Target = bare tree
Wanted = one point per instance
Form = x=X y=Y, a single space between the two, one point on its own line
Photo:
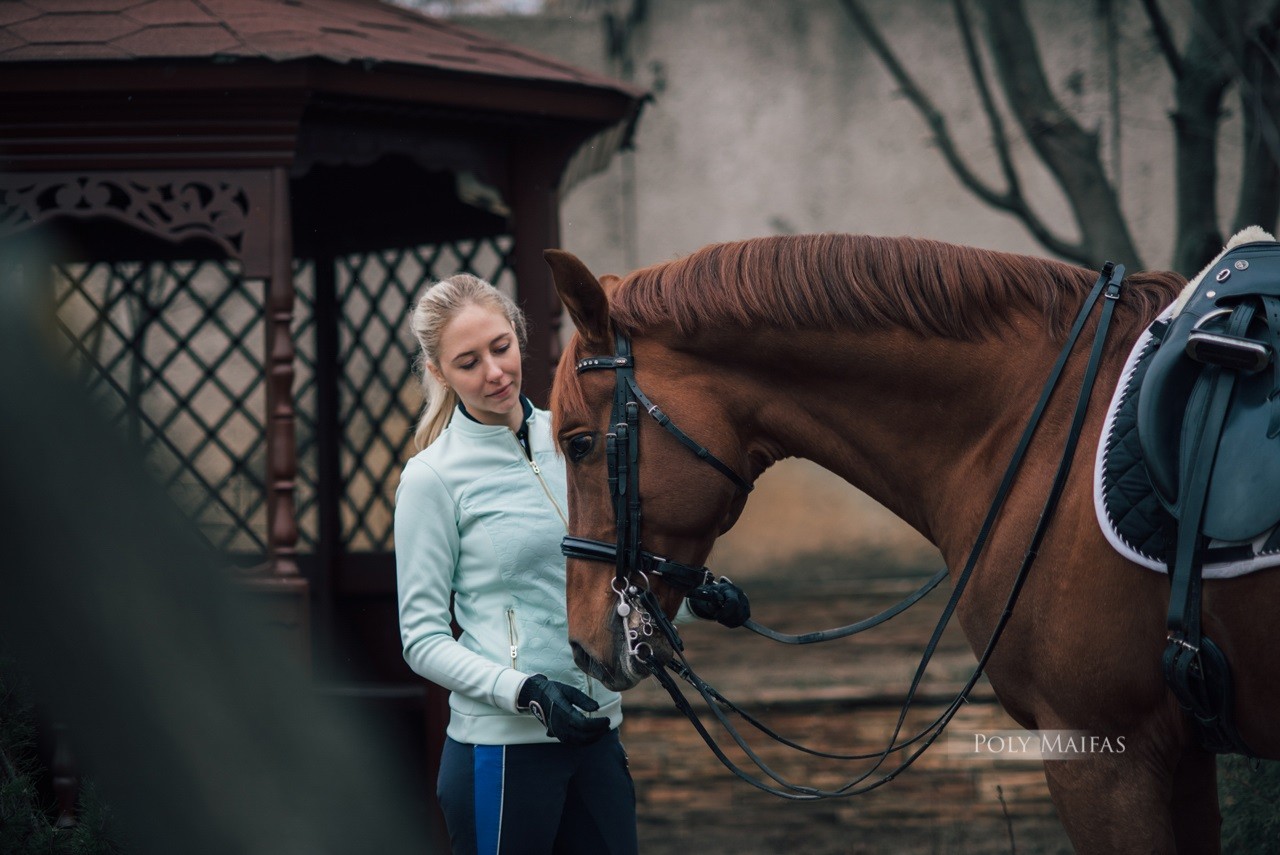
x=1229 y=46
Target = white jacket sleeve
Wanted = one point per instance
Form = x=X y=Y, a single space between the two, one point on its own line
x=427 y=552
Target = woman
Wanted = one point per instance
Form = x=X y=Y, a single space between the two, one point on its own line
x=532 y=762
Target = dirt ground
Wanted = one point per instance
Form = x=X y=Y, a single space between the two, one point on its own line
x=842 y=696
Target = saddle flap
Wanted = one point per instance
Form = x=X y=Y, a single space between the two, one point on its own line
x=1242 y=501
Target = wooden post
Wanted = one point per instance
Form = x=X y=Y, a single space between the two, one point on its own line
x=535 y=211
x=282 y=592
x=282 y=456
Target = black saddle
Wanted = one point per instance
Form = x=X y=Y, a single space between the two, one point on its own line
x=1209 y=337
x=1209 y=427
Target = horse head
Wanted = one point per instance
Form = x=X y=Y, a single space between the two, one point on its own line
x=684 y=509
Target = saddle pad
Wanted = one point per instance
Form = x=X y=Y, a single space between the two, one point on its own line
x=1130 y=514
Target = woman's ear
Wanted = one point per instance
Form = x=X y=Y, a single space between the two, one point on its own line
x=437 y=374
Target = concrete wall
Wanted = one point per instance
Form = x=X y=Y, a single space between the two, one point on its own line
x=776 y=117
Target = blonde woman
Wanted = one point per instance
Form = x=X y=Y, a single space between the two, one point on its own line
x=532 y=762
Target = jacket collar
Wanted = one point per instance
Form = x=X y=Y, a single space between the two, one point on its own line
x=466 y=423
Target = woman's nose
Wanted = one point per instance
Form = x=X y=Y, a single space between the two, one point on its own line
x=492 y=370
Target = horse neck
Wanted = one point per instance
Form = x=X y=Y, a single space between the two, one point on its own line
x=919 y=424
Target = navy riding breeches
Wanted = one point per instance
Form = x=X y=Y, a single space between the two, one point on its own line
x=538 y=799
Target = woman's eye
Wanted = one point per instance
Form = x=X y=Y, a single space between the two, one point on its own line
x=580 y=446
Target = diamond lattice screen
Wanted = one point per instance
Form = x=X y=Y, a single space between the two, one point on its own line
x=173 y=352
x=380 y=396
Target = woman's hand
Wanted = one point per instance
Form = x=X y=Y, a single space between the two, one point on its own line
x=558 y=706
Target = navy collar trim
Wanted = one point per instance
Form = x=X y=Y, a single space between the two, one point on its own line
x=525 y=404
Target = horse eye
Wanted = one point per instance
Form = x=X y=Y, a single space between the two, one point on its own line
x=580 y=446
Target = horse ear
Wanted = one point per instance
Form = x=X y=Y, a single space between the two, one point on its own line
x=582 y=293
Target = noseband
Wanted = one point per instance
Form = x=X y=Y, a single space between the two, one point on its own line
x=632 y=562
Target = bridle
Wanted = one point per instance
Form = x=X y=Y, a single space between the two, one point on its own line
x=633 y=564
x=631 y=560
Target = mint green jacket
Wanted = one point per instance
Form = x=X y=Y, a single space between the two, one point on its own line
x=478 y=520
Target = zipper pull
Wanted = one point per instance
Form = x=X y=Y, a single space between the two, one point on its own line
x=512 y=636
x=536 y=470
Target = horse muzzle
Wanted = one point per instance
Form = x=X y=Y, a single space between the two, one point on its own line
x=635 y=650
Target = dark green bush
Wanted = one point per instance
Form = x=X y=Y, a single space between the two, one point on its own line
x=1250 y=795
x=27 y=826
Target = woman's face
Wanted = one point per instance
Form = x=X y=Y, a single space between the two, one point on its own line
x=480 y=360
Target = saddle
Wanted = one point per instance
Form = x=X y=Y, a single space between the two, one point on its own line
x=1208 y=422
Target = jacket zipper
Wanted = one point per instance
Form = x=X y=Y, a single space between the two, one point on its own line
x=537 y=471
x=511 y=615
x=513 y=637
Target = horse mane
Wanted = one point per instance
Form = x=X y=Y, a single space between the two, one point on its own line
x=860 y=283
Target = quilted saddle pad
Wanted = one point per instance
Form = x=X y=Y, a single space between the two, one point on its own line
x=1131 y=516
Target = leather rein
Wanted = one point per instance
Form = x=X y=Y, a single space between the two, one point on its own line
x=640 y=612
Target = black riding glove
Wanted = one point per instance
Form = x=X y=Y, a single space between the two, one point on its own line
x=557 y=706
x=722 y=601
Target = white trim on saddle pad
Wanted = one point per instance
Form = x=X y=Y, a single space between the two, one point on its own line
x=1211 y=571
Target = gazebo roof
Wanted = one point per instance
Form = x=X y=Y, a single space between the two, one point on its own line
x=187 y=84
x=365 y=33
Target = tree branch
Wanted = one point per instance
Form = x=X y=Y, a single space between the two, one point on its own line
x=1164 y=37
x=932 y=115
x=1017 y=202
x=1067 y=150
x=1258 y=202
x=998 y=136
x=1010 y=200
x=1207 y=71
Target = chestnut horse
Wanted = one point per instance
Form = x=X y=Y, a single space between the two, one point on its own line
x=909 y=368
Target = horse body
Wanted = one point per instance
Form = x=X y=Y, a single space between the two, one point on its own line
x=925 y=422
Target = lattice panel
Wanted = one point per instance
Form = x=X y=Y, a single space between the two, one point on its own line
x=173 y=353
x=380 y=396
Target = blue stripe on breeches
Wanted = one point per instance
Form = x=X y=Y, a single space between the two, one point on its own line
x=539 y=798
x=489 y=764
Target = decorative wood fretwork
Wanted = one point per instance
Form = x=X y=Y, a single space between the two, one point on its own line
x=220 y=207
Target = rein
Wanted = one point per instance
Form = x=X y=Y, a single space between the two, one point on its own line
x=630 y=560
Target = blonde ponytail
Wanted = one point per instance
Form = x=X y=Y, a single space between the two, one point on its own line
x=438 y=305
x=440 y=403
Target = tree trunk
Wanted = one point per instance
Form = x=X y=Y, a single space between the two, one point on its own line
x=1068 y=151
x=1199 y=93
x=1259 y=200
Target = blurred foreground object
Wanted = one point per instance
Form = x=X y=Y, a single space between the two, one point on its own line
x=202 y=733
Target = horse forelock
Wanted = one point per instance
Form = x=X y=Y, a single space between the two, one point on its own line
x=862 y=283
x=567 y=396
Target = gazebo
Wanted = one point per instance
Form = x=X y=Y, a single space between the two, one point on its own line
x=237 y=202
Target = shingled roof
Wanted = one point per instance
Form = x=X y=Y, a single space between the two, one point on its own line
x=366 y=33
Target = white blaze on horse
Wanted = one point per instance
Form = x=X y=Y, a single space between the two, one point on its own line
x=910 y=368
